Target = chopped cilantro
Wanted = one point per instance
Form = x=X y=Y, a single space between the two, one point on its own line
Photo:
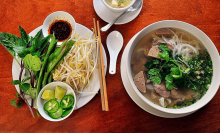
x=154 y=75
x=169 y=82
x=152 y=63
x=164 y=56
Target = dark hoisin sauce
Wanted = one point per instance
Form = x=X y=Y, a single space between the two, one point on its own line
x=61 y=28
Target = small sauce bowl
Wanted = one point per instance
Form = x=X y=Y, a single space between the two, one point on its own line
x=56 y=16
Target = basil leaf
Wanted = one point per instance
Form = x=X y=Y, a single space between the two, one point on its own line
x=25 y=86
x=32 y=62
x=17 y=95
x=21 y=51
x=15 y=82
x=24 y=35
x=14 y=103
x=8 y=41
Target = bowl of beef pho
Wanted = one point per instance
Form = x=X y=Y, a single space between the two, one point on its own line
x=174 y=67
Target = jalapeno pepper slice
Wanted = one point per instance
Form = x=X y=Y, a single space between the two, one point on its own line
x=51 y=106
x=56 y=114
x=67 y=101
x=65 y=113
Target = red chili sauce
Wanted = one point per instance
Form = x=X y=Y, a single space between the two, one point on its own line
x=61 y=29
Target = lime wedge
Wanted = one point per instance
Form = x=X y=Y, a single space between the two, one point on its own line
x=59 y=92
x=48 y=95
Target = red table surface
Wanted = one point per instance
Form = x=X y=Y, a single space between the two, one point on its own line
x=123 y=115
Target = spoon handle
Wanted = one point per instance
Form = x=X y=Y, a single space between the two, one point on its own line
x=105 y=28
x=113 y=60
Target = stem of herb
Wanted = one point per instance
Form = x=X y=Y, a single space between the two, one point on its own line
x=22 y=93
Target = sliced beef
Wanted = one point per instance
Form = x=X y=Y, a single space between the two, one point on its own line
x=168 y=45
x=161 y=89
x=154 y=51
x=164 y=32
x=140 y=81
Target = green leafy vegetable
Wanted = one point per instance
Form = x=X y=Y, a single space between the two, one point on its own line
x=30 y=50
x=32 y=92
x=14 y=103
x=24 y=35
x=195 y=73
x=32 y=62
x=17 y=102
x=152 y=63
x=15 y=82
x=169 y=82
x=175 y=72
x=154 y=75
x=25 y=86
x=164 y=56
x=8 y=41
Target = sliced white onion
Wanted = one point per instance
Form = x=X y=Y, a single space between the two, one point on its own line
x=161 y=101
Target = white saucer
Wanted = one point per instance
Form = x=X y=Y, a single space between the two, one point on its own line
x=132 y=93
x=108 y=16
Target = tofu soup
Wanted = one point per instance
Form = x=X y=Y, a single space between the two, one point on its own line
x=171 y=68
x=118 y=3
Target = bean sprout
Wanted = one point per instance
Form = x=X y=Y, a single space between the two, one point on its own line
x=78 y=66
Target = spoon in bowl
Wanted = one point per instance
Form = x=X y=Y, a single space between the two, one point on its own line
x=114 y=44
x=137 y=4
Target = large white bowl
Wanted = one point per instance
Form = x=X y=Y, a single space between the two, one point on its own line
x=41 y=102
x=209 y=46
x=117 y=9
x=58 y=15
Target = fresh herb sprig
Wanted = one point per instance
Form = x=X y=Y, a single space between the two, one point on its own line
x=28 y=49
x=39 y=65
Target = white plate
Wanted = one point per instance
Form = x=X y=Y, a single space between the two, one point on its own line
x=108 y=16
x=84 y=98
x=132 y=93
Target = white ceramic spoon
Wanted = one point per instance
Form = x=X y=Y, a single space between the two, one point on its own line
x=114 y=44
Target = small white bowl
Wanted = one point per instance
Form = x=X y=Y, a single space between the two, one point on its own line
x=58 y=15
x=41 y=102
x=209 y=45
x=117 y=9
